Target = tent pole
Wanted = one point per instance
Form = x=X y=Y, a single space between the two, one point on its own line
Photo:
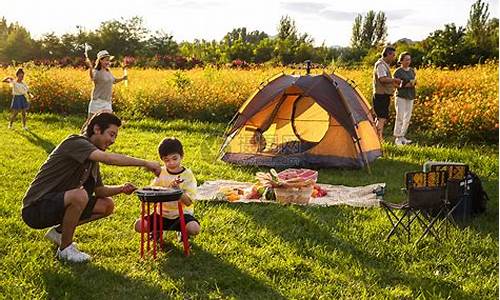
x=363 y=154
x=229 y=128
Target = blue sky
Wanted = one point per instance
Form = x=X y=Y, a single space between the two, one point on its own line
x=326 y=21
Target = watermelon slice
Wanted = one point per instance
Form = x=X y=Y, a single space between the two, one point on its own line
x=303 y=174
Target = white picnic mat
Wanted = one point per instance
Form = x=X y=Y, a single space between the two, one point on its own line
x=359 y=196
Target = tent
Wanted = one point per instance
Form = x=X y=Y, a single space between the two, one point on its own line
x=311 y=121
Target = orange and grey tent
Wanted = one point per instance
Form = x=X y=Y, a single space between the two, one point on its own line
x=311 y=121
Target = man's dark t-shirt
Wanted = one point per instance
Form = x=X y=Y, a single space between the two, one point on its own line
x=67 y=167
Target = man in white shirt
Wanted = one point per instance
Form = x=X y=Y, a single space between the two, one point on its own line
x=383 y=88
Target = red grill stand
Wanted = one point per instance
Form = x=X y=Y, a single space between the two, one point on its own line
x=145 y=211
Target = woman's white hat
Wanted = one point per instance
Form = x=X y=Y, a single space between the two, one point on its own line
x=102 y=54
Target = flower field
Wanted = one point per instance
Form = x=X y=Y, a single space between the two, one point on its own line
x=461 y=105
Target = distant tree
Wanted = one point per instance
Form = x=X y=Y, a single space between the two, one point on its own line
x=291 y=47
x=254 y=37
x=239 y=44
x=414 y=48
x=284 y=51
x=241 y=34
x=380 y=33
x=125 y=37
x=492 y=29
x=70 y=44
x=206 y=51
x=370 y=31
x=323 y=54
x=51 y=46
x=348 y=56
x=304 y=51
x=239 y=50
x=477 y=24
x=482 y=33
x=84 y=36
x=237 y=34
x=19 y=46
x=263 y=51
x=447 y=47
x=14 y=35
x=287 y=30
x=4 y=29
x=356 y=39
x=161 y=43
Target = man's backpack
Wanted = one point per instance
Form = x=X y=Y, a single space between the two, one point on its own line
x=479 y=198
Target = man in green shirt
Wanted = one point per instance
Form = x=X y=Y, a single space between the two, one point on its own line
x=68 y=190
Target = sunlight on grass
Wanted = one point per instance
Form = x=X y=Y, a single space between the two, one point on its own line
x=245 y=251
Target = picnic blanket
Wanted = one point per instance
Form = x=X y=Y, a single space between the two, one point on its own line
x=360 y=196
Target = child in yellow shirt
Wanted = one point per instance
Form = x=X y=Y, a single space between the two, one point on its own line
x=173 y=174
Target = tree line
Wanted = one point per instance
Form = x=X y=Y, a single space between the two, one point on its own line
x=452 y=46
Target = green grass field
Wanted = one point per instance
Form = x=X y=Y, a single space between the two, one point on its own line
x=245 y=251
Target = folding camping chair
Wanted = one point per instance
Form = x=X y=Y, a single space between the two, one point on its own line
x=425 y=203
x=458 y=196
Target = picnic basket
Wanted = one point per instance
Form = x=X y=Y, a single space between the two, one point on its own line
x=291 y=185
x=297 y=195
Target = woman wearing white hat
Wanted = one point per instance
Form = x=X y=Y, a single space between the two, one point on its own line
x=103 y=83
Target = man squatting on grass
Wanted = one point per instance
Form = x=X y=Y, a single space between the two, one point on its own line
x=68 y=190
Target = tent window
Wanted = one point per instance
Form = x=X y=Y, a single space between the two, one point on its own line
x=310 y=121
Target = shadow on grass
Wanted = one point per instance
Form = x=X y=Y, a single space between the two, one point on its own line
x=203 y=271
x=39 y=141
x=487 y=223
x=64 y=120
x=88 y=281
x=299 y=226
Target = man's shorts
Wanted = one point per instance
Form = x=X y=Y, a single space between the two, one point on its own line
x=381 y=105
x=49 y=211
x=170 y=224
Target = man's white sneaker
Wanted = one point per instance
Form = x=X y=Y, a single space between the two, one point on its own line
x=53 y=236
x=72 y=254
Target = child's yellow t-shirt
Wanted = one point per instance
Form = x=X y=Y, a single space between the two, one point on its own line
x=169 y=209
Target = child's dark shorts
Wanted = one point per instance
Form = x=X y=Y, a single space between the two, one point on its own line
x=49 y=211
x=170 y=224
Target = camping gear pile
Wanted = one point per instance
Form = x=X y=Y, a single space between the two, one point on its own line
x=443 y=194
x=303 y=122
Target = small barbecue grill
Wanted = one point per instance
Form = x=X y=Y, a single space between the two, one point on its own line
x=156 y=196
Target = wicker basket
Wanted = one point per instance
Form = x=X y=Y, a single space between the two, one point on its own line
x=297 y=195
